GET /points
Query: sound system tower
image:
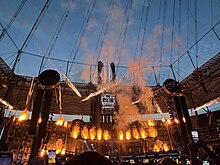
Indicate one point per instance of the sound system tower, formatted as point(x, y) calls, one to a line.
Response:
point(42, 103)
point(45, 113)
point(36, 112)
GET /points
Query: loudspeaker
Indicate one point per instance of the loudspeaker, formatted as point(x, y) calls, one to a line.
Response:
point(179, 110)
point(49, 77)
point(113, 71)
point(45, 113)
point(100, 66)
point(36, 112)
point(182, 112)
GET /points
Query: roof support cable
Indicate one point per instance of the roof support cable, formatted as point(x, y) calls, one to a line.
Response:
point(6, 32)
point(171, 67)
point(7, 27)
point(191, 59)
point(145, 29)
point(162, 39)
point(179, 32)
point(216, 34)
point(120, 35)
point(81, 34)
point(124, 34)
point(34, 27)
point(101, 37)
point(54, 39)
point(196, 32)
point(155, 76)
point(184, 53)
point(187, 36)
point(172, 35)
point(139, 30)
point(212, 14)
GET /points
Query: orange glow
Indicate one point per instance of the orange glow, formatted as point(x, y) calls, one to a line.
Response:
point(152, 132)
point(184, 120)
point(60, 121)
point(160, 145)
point(39, 120)
point(58, 151)
point(23, 115)
point(63, 152)
point(135, 133)
point(163, 120)
point(99, 134)
point(176, 121)
point(150, 122)
point(75, 131)
point(65, 124)
point(92, 133)
point(106, 135)
point(85, 133)
point(121, 135)
point(128, 134)
point(42, 153)
point(168, 121)
point(156, 148)
point(165, 147)
point(143, 133)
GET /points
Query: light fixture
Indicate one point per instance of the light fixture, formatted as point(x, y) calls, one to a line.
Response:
point(23, 115)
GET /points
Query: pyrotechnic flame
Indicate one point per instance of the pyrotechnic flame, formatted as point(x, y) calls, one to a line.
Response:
point(106, 135)
point(121, 135)
point(65, 124)
point(23, 116)
point(150, 122)
point(143, 133)
point(75, 131)
point(85, 133)
point(152, 132)
point(99, 134)
point(135, 102)
point(105, 88)
point(165, 147)
point(72, 86)
point(63, 152)
point(135, 133)
point(60, 121)
point(128, 134)
point(92, 133)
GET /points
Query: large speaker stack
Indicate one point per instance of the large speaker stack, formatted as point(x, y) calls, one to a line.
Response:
point(47, 80)
point(173, 88)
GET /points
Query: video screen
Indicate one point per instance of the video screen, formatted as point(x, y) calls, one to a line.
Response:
point(51, 156)
point(5, 161)
point(132, 161)
point(205, 163)
point(146, 161)
point(6, 158)
point(195, 136)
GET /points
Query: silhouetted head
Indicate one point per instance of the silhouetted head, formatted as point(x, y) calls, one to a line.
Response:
point(37, 161)
point(167, 161)
point(89, 158)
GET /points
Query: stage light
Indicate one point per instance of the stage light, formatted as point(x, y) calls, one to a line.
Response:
point(39, 120)
point(23, 116)
point(168, 121)
point(60, 121)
